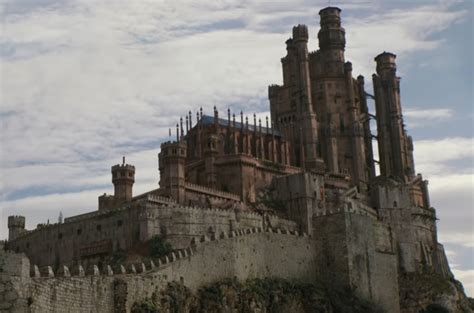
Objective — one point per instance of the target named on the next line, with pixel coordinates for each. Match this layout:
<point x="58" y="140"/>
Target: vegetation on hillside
<point x="256" y="295"/>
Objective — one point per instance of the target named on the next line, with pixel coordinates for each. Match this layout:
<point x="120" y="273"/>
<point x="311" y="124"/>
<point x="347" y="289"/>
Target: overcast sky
<point x="85" y="82"/>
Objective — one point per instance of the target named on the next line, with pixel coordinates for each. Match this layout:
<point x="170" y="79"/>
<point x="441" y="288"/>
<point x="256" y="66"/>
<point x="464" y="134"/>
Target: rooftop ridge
<point x="347" y="208"/>
<point x="224" y="194"/>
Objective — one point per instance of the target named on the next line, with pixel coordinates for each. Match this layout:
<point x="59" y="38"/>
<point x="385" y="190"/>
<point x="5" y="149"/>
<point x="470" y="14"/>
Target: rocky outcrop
<point x="430" y="292"/>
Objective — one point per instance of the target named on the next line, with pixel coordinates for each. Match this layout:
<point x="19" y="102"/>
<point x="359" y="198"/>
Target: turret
<point x="123" y="177"/>
<point x="332" y="41"/>
<point x="395" y="147"/>
<point x="210" y="155"/>
<point x="386" y="66"/>
<point x="307" y="117"/>
<point x="172" y="161"/>
<point x="356" y="134"/>
<point x="16" y="226"/>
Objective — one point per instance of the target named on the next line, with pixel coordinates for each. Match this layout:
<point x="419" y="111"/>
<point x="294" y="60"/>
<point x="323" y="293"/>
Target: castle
<point x="297" y="197"/>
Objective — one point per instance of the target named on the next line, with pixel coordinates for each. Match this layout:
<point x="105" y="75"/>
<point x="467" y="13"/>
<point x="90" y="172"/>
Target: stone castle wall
<point x="91" y="235"/>
<point x="357" y="251"/>
<point x="244" y="254"/>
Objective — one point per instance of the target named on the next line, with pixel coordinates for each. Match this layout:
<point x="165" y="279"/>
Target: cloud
<point x="467" y="278"/>
<point x="444" y="149"/>
<point x="431" y="114"/>
<point x="462" y="239"/>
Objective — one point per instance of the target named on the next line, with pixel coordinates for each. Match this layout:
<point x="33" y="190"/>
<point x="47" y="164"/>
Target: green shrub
<point x="158" y="247"/>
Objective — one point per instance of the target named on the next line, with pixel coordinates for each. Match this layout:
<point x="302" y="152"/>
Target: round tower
<point x="123" y="177"/>
<point x="172" y="162"/>
<point x="386" y="66"/>
<point x="332" y="40"/>
<point x="16" y="226"/>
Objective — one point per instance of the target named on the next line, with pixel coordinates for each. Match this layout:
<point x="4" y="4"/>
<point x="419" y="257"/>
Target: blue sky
<point x="85" y="82"/>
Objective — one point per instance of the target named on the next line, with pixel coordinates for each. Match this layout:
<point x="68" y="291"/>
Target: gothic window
<point x="130" y="174"/>
<point x="99" y="227"/>
<point x="79" y="231"/>
<point x="60" y="236"/>
<point x="119" y="223"/>
<point x="122" y="174"/>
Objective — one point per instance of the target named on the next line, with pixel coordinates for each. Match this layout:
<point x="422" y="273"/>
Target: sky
<point x="84" y="82"/>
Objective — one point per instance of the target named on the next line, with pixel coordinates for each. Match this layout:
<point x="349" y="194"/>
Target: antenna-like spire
<point x="190" y="120"/>
<point x="123" y="160"/>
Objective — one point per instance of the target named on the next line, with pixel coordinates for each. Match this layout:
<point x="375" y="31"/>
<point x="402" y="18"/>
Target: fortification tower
<point x="172" y="162"/>
<point x="305" y="111"/>
<point x="395" y="147"/>
<point x="16" y="226"/>
<point x="332" y="41"/>
<point x="123" y="177"/>
<point x="210" y="154"/>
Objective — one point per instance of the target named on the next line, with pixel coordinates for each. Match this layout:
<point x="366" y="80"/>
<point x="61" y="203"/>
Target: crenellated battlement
<point x="149" y="266"/>
<point x="16" y="221"/>
<point x="300" y="33"/>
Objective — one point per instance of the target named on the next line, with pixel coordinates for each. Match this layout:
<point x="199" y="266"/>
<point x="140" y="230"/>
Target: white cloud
<point x="461" y="239"/>
<point x="429" y="114"/>
<point x="433" y="153"/>
<point x="467" y="278"/>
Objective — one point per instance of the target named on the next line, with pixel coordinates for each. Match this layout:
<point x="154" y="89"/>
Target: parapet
<point x="386" y="62"/>
<point x="300" y="33"/>
<point x="330" y="16"/>
<point x="273" y="90"/>
<point x="123" y="172"/>
<point x="16" y="221"/>
<point x="123" y="166"/>
<point x="173" y="149"/>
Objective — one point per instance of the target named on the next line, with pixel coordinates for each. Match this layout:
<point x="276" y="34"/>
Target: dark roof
<point x="328" y="9"/>
<point x="209" y="120"/>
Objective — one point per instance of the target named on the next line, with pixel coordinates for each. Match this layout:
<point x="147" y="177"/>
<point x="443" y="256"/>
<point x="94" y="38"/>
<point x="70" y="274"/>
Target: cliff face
<point x="254" y="296"/>
<point x="429" y="292"/>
